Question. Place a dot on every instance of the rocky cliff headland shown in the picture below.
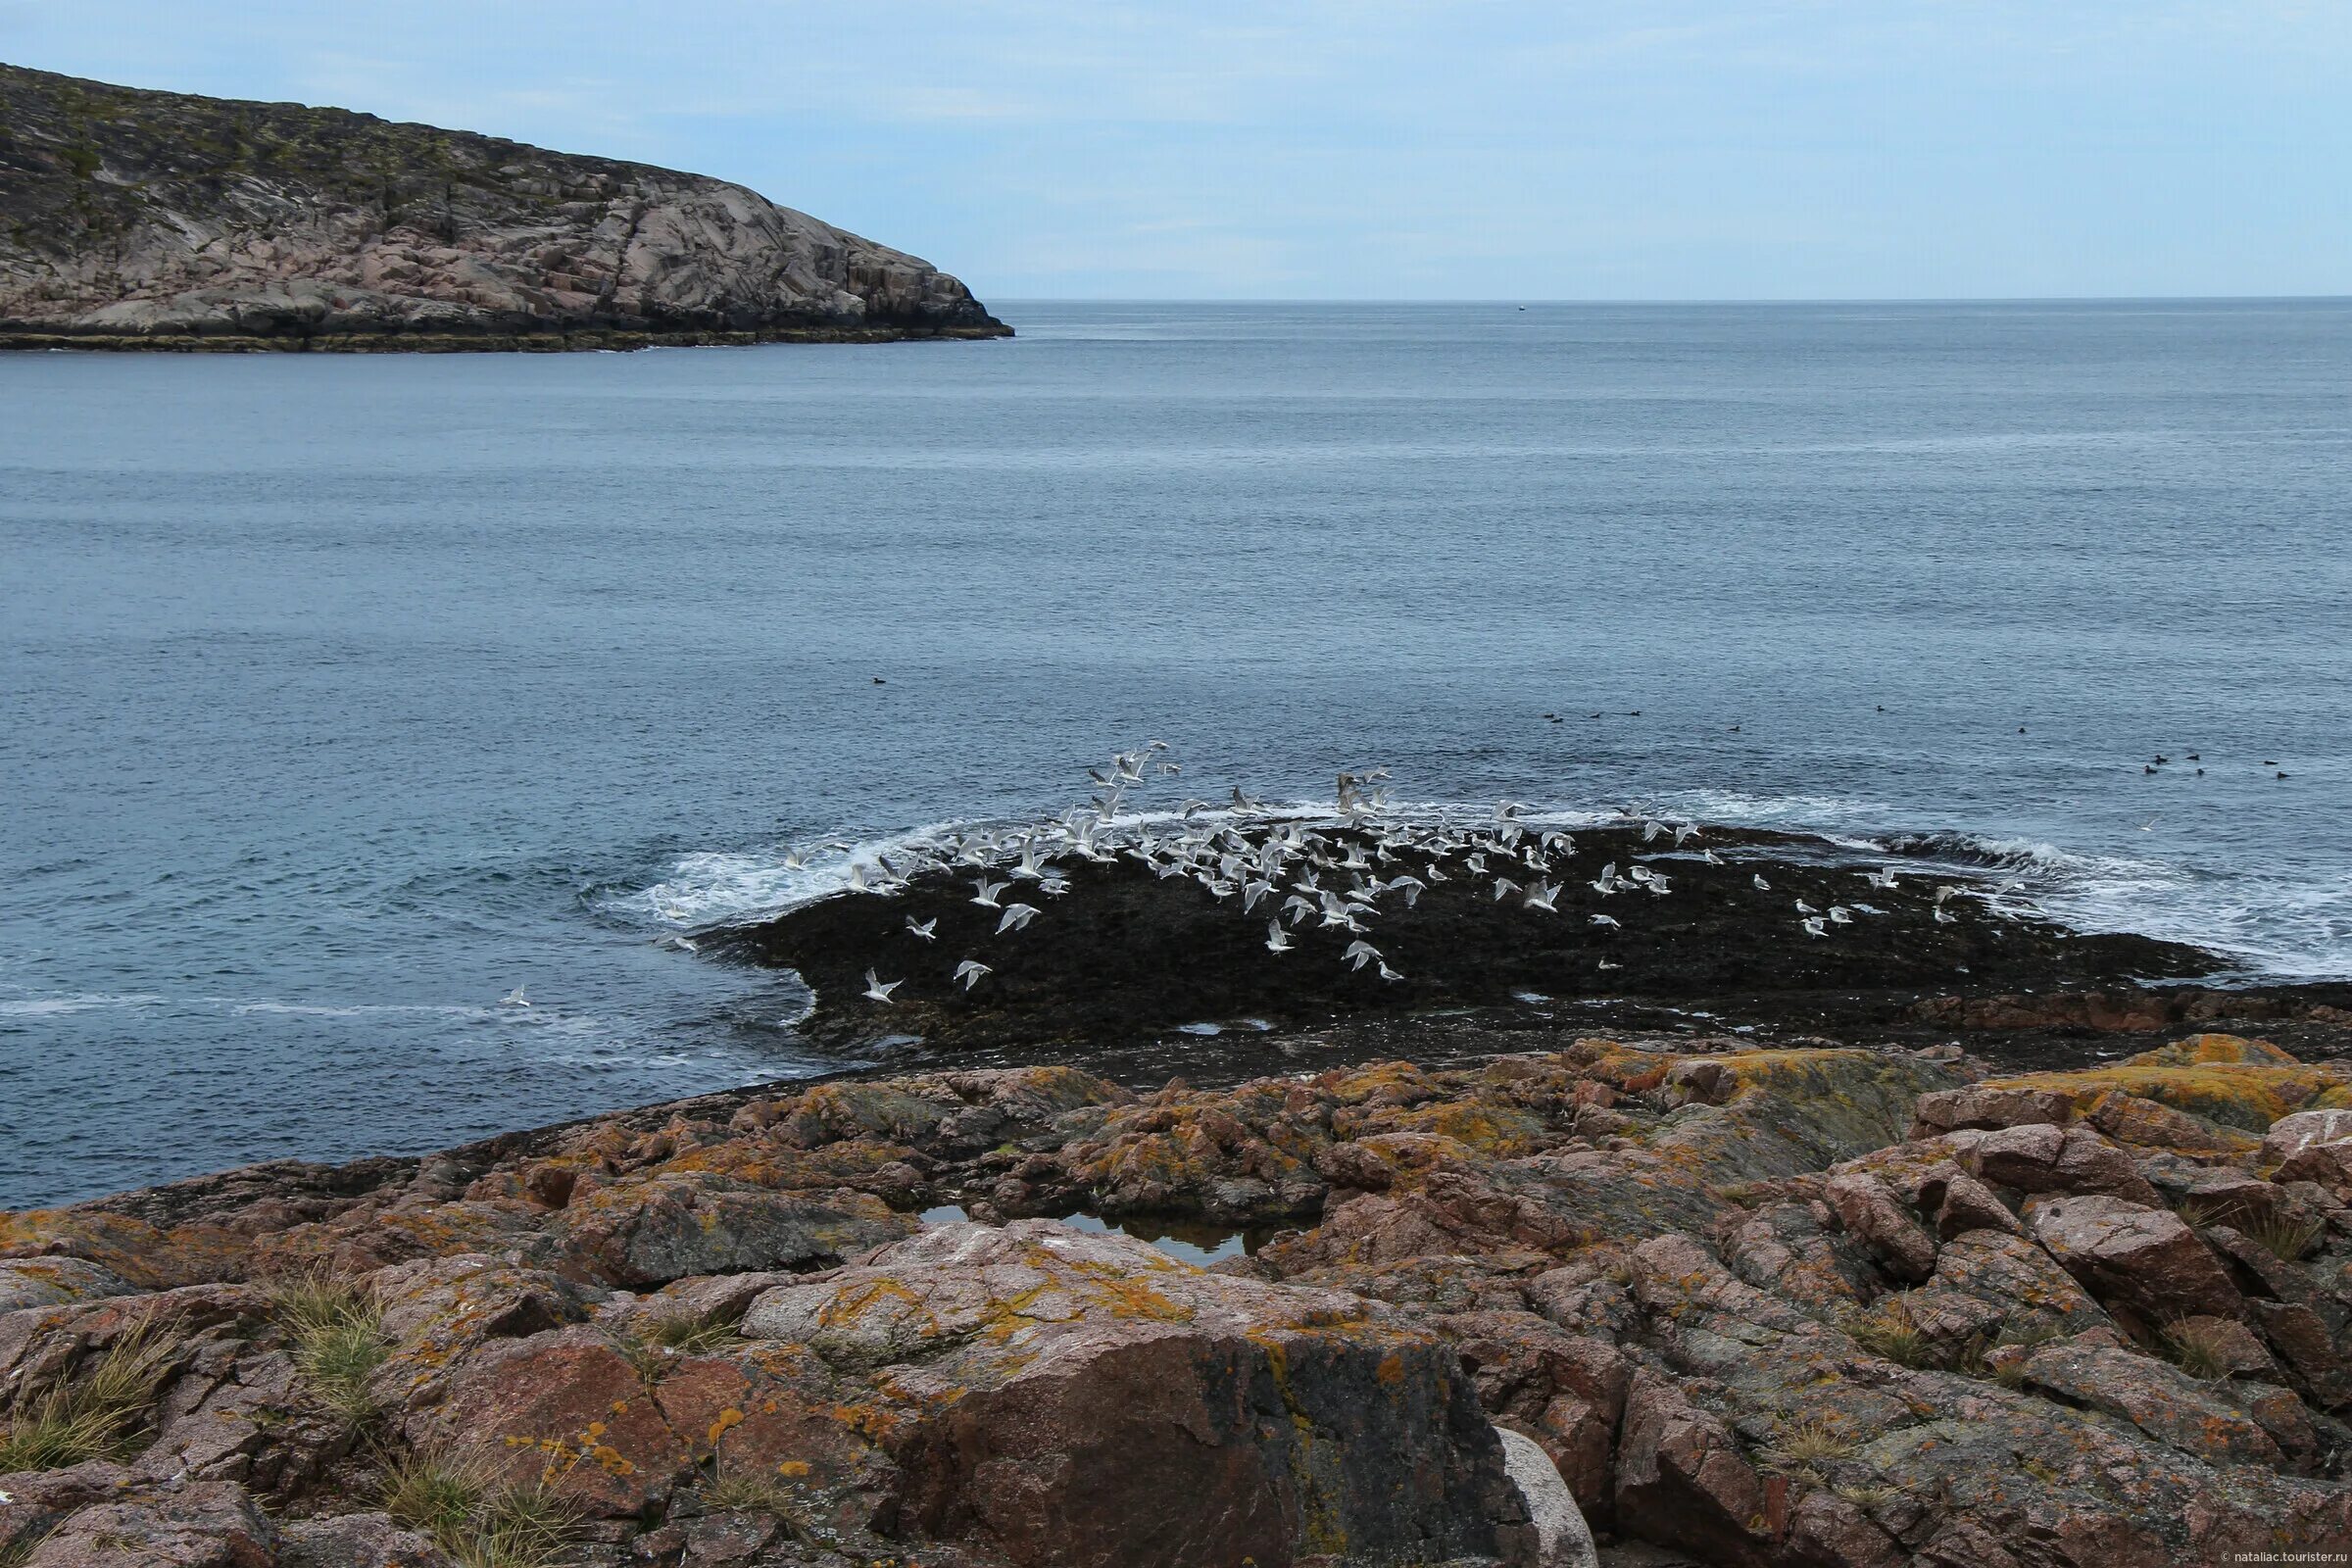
(2044, 1267)
(132, 219)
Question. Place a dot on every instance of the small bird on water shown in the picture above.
(515, 997)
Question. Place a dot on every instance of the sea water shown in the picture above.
(341, 696)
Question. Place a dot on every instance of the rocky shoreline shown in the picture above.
(133, 219)
(2011, 1258)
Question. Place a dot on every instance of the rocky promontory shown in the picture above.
(1935, 1236)
(133, 218)
(1790, 1307)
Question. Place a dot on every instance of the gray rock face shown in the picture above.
(134, 219)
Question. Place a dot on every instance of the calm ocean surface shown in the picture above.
(339, 696)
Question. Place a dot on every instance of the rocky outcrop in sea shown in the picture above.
(132, 219)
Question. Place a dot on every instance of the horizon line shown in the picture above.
(1615, 299)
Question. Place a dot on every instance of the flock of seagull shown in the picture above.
(1330, 872)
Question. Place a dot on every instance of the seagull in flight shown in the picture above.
(928, 930)
(876, 991)
(1839, 914)
(515, 998)
(1359, 954)
(1016, 915)
(969, 972)
(1814, 927)
(1541, 897)
(1277, 938)
(1605, 919)
(985, 894)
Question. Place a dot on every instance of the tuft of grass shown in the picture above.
(337, 1329)
(2198, 1349)
(2010, 1374)
(686, 1333)
(477, 1519)
(748, 1494)
(1873, 1496)
(2286, 1235)
(1889, 1329)
(1810, 1440)
(101, 1416)
(652, 1343)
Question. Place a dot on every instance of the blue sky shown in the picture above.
(1487, 149)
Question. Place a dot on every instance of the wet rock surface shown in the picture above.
(1750, 1304)
(150, 219)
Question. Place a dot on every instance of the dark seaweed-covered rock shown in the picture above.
(1127, 951)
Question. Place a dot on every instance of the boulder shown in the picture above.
(204, 1524)
(1683, 1480)
(2057, 1160)
(2291, 1133)
(1562, 1540)
(565, 1411)
(1988, 1106)
(2129, 1255)
(1021, 1372)
(1882, 1224)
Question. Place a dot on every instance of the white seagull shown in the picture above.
(969, 971)
(1277, 938)
(928, 930)
(876, 991)
(1016, 915)
(515, 998)
(985, 894)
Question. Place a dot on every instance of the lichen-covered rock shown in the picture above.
(206, 1524)
(1882, 1224)
(356, 1541)
(2290, 1134)
(2135, 1257)
(1020, 1361)
(2043, 1158)
(55, 1280)
(677, 1224)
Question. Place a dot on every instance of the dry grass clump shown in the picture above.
(2198, 1347)
(1810, 1440)
(338, 1330)
(479, 1520)
(100, 1415)
(1889, 1329)
(2286, 1235)
(651, 1343)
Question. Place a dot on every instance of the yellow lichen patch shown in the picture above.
(1502, 1130)
(795, 1468)
(2199, 1051)
(2228, 1095)
(727, 1421)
